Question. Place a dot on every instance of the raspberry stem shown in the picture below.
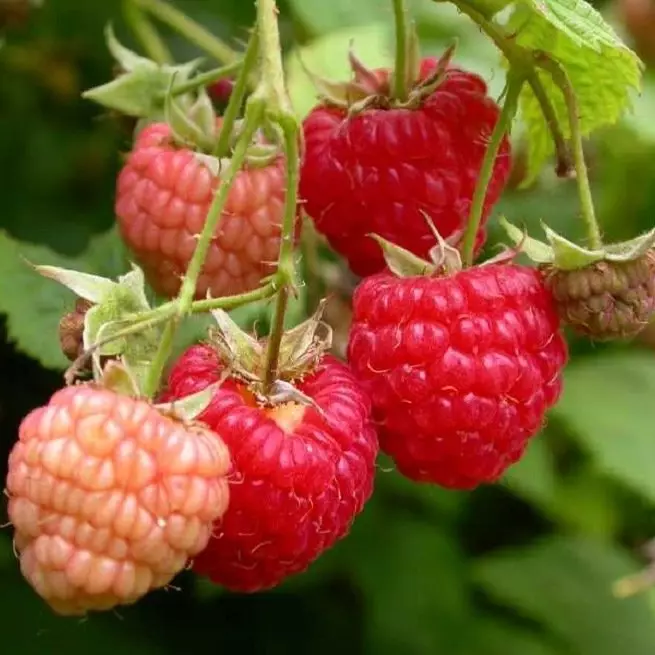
(252, 120)
(233, 108)
(189, 29)
(561, 78)
(522, 59)
(146, 33)
(513, 89)
(279, 111)
(400, 71)
(208, 77)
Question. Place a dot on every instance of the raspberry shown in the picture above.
(606, 300)
(109, 498)
(163, 196)
(379, 170)
(461, 369)
(298, 478)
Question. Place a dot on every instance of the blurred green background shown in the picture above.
(522, 568)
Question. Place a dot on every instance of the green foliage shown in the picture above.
(565, 584)
(619, 386)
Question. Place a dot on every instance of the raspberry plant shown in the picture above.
(453, 358)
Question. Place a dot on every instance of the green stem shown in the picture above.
(286, 266)
(521, 61)
(146, 33)
(253, 117)
(510, 107)
(206, 78)
(400, 70)
(156, 369)
(272, 83)
(184, 302)
(231, 302)
(233, 108)
(561, 78)
(189, 29)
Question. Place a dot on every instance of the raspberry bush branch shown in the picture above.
(146, 33)
(561, 78)
(278, 110)
(521, 59)
(237, 96)
(207, 78)
(184, 302)
(515, 81)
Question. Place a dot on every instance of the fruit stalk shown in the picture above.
(400, 72)
(184, 302)
(238, 94)
(521, 59)
(273, 89)
(146, 33)
(189, 29)
(561, 78)
(208, 77)
(510, 106)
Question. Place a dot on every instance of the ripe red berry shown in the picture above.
(221, 91)
(298, 478)
(163, 195)
(461, 369)
(377, 171)
(109, 498)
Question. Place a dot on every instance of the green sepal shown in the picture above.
(190, 407)
(401, 262)
(565, 255)
(141, 89)
(117, 306)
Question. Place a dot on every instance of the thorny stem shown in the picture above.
(253, 117)
(510, 107)
(233, 108)
(208, 77)
(522, 60)
(146, 33)
(279, 111)
(400, 69)
(189, 29)
(561, 78)
(286, 266)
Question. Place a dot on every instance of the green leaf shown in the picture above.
(498, 637)
(618, 431)
(566, 585)
(534, 477)
(603, 71)
(420, 569)
(34, 304)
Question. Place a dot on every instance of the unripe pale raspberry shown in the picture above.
(162, 199)
(606, 300)
(109, 498)
(460, 369)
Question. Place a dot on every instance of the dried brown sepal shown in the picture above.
(605, 300)
(71, 330)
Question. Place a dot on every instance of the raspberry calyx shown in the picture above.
(605, 294)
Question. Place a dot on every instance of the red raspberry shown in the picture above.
(109, 498)
(377, 171)
(163, 196)
(298, 479)
(461, 369)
